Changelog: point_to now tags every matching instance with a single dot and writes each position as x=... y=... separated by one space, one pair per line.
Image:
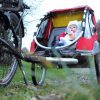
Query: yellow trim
x=62 y=19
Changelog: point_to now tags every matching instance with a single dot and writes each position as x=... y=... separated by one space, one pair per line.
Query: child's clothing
x=72 y=31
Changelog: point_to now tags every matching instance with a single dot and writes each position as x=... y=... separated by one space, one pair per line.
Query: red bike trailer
x=86 y=45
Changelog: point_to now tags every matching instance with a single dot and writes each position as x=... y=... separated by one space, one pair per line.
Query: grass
x=56 y=84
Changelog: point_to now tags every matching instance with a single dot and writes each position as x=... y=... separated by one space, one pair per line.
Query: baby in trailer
x=71 y=32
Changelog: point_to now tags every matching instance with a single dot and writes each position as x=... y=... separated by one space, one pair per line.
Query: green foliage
x=56 y=84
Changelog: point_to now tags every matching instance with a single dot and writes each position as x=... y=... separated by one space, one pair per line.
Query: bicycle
x=11 y=33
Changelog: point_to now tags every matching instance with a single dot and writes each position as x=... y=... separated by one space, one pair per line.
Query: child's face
x=72 y=28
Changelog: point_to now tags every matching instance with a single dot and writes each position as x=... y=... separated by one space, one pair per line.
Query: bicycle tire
x=38 y=73
x=97 y=67
x=8 y=67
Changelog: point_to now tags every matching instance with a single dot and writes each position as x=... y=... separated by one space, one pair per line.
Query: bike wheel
x=97 y=65
x=38 y=73
x=8 y=62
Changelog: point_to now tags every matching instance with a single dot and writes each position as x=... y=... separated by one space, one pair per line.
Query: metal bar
x=23 y=72
x=67 y=60
x=32 y=58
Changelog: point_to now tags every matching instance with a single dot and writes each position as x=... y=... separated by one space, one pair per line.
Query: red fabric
x=61 y=35
x=70 y=9
x=85 y=43
x=32 y=48
x=48 y=29
x=95 y=36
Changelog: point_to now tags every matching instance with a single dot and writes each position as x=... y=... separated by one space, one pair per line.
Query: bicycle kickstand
x=23 y=72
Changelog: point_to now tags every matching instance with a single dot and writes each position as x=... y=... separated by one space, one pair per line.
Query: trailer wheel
x=97 y=63
x=38 y=73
